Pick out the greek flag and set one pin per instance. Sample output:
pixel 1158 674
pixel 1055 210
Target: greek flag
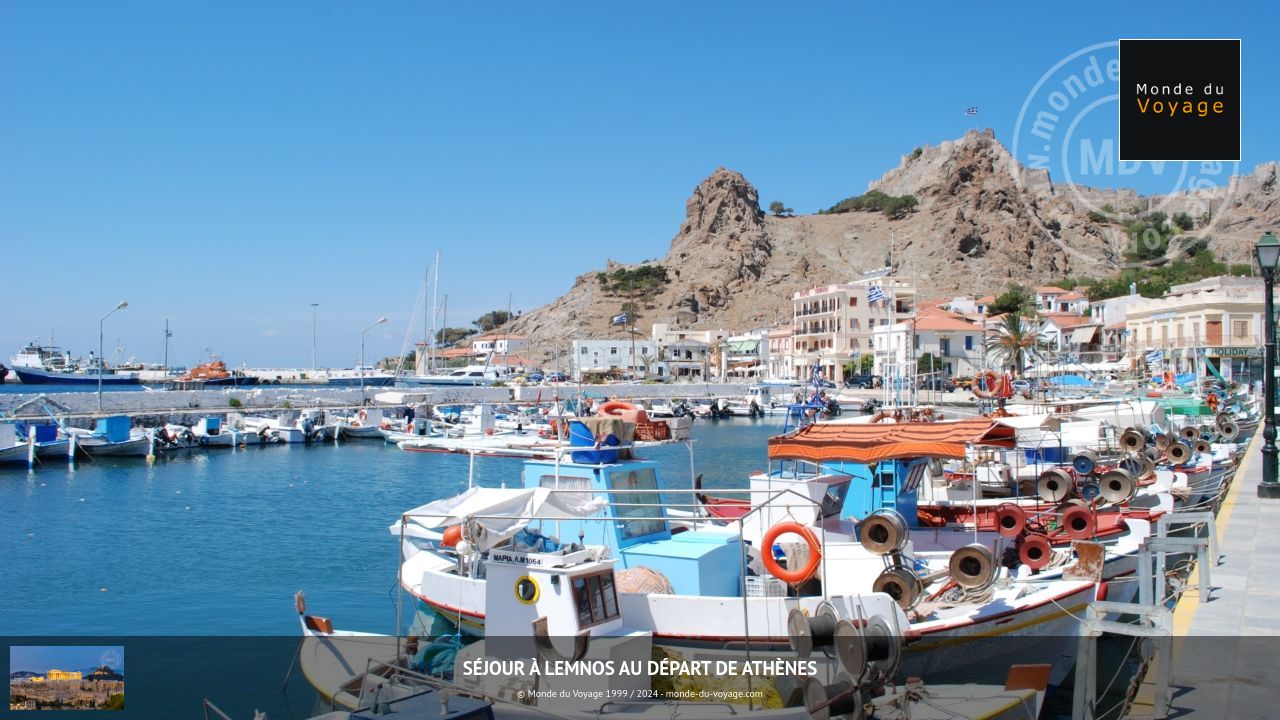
pixel 875 293
pixel 619 319
pixel 817 376
pixel 971 110
pixel 1155 357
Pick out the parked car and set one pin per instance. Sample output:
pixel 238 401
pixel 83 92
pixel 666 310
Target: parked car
pixel 938 383
pixel 1021 386
pixel 964 383
pixel 863 382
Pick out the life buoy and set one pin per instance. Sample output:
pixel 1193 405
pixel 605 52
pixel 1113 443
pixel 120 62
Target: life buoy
pixel 1212 402
pixel 362 415
pixel 990 378
pixel 615 407
pixel 797 575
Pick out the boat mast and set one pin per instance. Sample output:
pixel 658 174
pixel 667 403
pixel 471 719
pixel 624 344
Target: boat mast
pixel 506 335
pixel 435 294
pixel 167 335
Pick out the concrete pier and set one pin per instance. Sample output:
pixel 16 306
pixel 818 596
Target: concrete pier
pixel 1226 652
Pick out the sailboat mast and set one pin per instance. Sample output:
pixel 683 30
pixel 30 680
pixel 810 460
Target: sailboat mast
pixel 506 334
pixel 435 295
pixel 167 335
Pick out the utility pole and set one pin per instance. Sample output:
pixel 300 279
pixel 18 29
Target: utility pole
pixel 167 335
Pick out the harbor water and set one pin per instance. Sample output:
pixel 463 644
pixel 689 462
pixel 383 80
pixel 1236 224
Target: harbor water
pixel 215 543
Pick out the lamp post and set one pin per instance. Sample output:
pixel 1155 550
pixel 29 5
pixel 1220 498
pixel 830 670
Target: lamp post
pixel 121 306
pixel 362 332
pixel 313 336
pixel 1267 253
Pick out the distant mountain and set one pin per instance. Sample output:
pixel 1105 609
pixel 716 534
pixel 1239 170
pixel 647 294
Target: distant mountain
pixel 982 220
pixel 23 674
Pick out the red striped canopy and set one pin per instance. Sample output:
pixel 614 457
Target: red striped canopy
pixel 874 442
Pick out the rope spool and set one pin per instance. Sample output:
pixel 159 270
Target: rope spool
pixel 1163 441
pixel 1011 519
pixel 1189 432
pixel 1148 468
pixel 1132 463
pixel 809 633
pixel 1178 453
pixel 973 566
pixel 1133 439
pixel 1203 446
pixel 883 532
pixel 1085 462
pixel 1221 418
pixel 1079 522
pixel 900 583
pixel 1230 430
pixel 1035 551
pixel 842 698
pixel 1117 485
pixel 1054 485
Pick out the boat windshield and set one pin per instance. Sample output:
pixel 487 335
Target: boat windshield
pixel 645 507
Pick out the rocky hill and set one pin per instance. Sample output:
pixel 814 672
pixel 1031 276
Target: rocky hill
pixel 982 220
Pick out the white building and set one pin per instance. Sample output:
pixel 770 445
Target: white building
pixel 954 342
pixel 780 354
pixel 746 355
pixel 614 355
pixel 498 344
pixel 832 325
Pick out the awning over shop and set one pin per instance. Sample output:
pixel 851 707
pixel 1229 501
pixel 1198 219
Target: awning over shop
pixel 873 442
pixel 1084 335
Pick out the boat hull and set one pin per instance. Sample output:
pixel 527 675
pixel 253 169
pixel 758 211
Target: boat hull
pixel 32 376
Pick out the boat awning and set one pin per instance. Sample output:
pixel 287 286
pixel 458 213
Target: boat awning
pixel 497 513
pixel 867 443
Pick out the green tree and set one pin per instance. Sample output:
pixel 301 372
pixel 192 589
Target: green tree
pixel 777 208
pixel 115 702
pixel 1013 342
pixel 492 320
pixel 928 363
pixel 451 335
pixel 1183 221
pixel 867 362
pixel 1015 299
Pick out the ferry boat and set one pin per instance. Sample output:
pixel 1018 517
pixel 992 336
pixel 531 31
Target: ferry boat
pixel 38 364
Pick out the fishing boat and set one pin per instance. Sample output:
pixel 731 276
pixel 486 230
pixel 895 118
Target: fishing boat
pixel 113 436
pixel 703 588
pixel 363 423
pixel 37 364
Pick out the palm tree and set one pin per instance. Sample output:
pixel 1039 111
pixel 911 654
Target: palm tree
pixel 1014 341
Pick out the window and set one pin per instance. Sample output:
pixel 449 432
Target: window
pixel 1240 328
pixel 640 513
pixel 596 598
pixel 917 341
pixel 613 351
pixel 968 342
pixel 584 350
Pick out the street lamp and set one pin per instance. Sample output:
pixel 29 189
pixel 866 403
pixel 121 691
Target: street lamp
pixel 313 336
pixel 1267 253
pixel 362 332
pixel 120 306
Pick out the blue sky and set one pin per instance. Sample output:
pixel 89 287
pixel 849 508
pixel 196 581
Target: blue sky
pixel 225 164
pixel 42 658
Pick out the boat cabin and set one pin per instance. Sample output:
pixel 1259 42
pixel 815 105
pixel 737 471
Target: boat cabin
pixel 639 529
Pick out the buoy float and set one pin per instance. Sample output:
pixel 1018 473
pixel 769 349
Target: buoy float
pixel 797 575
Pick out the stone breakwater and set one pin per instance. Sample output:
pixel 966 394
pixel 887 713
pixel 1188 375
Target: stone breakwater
pixel 242 399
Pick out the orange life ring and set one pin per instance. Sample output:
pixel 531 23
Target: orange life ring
pixel 798 575
pixel 991 380
pixel 614 407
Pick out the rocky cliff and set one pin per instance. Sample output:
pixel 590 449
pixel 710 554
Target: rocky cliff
pixel 982 220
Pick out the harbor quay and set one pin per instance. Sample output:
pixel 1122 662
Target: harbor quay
pixel 1225 648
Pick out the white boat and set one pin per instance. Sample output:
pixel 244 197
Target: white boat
pixel 113 436
pixel 292 427
pixel 482 375
pixel 706 600
pixel 363 423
